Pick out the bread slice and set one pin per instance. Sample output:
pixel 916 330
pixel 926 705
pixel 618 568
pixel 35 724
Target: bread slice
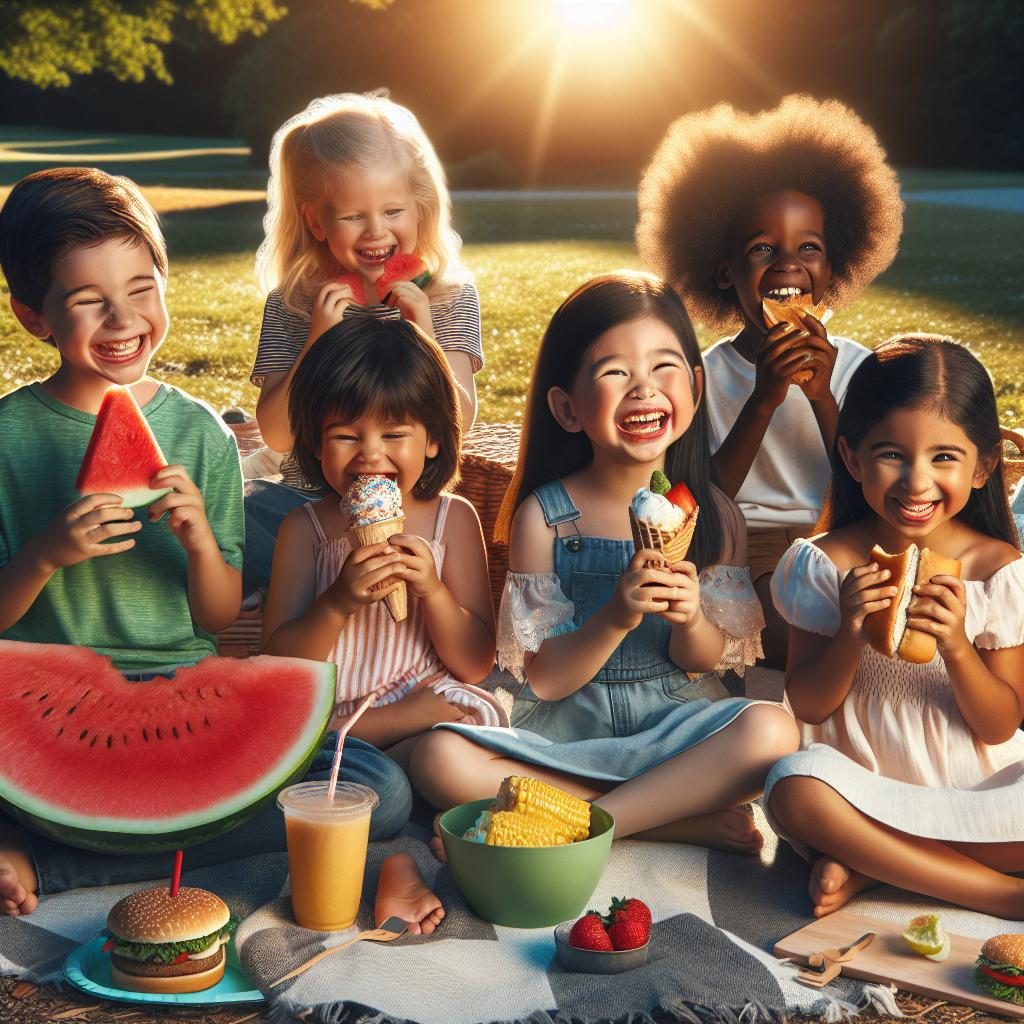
pixel 886 630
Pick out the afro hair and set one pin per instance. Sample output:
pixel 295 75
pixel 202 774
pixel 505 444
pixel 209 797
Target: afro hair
pixel 712 163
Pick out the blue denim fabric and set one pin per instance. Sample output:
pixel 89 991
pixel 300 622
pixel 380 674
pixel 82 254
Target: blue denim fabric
pixel 60 867
pixel 266 504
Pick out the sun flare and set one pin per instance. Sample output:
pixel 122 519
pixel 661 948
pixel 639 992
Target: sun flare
pixel 593 15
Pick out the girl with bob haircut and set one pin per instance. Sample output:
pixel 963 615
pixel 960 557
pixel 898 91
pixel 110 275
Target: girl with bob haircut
pixel 795 204
pixel 377 397
pixel 911 774
pixel 615 648
pixel 354 181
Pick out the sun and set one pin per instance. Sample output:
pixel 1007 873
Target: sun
pixel 593 15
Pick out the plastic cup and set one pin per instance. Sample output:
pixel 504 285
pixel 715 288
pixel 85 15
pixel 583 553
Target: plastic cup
pixel 326 851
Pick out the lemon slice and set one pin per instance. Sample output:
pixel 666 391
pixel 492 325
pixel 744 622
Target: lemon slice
pixel 926 936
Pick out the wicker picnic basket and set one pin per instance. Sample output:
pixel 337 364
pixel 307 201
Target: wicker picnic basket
pixel 1013 457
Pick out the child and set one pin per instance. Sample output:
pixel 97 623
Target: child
pixel 377 397
pixel 735 208
pixel 604 640
pixel 912 774
pixel 353 180
pixel 86 265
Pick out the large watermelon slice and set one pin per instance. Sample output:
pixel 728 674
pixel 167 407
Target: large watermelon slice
pixel 403 266
pixel 99 762
pixel 122 454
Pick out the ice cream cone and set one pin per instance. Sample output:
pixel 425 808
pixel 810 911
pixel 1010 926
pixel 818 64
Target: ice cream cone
pixel 672 544
pixel 397 598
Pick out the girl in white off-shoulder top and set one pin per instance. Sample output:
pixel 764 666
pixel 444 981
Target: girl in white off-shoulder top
pixel 910 774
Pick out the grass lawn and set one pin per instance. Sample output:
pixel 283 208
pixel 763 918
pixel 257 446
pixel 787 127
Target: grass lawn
pixel 958 271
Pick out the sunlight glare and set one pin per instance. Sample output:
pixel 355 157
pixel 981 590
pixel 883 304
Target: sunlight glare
pixel 593 15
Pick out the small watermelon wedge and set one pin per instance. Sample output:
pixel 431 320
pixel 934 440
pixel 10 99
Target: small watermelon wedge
pixel 95 761
pixel 356 283
pixel 122 455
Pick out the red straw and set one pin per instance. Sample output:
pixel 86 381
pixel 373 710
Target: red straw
pixel 176 873
pixel 342 733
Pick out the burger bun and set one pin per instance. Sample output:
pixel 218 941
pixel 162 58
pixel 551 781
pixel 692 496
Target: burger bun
pixel 172 985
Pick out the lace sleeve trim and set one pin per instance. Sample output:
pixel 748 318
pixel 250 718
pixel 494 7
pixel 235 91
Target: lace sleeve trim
pixel 533 608
pixel 728 599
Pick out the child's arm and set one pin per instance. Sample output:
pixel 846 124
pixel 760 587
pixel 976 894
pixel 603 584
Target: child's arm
pixel 411 716
pixel 214 587
pixel 73 536
pixel 457 607
pixel 988 686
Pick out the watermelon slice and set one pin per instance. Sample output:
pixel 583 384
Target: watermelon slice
pixel 403 266
pixel 122 455
pixel 356 283
pixel 96 761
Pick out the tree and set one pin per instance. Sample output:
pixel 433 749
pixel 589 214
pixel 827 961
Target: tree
pixel 45 43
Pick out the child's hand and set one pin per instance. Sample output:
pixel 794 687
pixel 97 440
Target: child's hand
pixel 413 304
pixel 642 589
pixel 783 352
pixel 364 567
pixel 820 357
pixel 939 607
pixel 865 590
pixel 684 609
pixel 76 533
pixel 330 305
pixel 416 565
pixel 423 709
pixel 187 519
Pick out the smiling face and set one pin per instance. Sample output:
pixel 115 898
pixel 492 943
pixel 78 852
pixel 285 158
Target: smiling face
pixel 632 395
pixel 367 214
pixel 778 250
pixel 917 471
pixel 105 313
pixel 371 445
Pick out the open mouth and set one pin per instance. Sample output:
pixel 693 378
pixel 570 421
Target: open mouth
pixel 376 257
pixel 119 351
pixel 644 423
pixel 915 511
pixel 781 294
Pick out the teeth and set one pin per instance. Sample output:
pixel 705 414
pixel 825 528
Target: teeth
pixel 376 254
pixel 643 417
pixel 783 293
pixel 917 509
pixel 643 422
pixel 120 348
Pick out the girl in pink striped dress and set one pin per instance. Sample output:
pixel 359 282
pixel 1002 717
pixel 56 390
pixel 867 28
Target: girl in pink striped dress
pixel 377 397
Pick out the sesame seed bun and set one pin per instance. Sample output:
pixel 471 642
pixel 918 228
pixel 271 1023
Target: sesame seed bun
pixel 1005 949
pixel 153 915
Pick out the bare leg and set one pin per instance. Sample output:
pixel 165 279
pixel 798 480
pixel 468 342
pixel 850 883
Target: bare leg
pixel 775 636
pixel 18 884
pixel 401 892
pixel 811 811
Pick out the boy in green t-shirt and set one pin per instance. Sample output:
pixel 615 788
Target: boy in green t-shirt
pixel 86 265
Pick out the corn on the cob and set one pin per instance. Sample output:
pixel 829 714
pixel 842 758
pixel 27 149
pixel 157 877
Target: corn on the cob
pixel 532 797
pixel 508 828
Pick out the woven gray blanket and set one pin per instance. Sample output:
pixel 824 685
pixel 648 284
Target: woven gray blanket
pixel 716 918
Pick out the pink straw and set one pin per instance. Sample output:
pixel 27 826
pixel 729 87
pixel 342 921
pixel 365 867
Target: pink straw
pixel 342 733
pixel 176 873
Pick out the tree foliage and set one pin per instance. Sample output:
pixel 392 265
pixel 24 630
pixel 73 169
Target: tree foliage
pixel 46 43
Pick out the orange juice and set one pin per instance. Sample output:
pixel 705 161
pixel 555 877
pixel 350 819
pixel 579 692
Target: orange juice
pixel 326 851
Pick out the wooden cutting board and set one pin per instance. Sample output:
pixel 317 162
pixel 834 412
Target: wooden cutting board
pixel 890 959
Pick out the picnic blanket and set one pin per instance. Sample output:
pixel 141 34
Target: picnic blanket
pixel 716 918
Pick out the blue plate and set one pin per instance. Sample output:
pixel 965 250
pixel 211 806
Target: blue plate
pixel 88 969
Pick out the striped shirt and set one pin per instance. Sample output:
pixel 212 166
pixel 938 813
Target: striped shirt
pixel 456 322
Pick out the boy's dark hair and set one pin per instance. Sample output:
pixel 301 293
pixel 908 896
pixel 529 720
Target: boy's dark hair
pixel 390 369
pixel 713 163
pixel 922 371
pixel 61 208
pixel 547 452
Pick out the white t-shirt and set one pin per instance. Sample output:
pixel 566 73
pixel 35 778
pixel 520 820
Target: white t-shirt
pixel 789 474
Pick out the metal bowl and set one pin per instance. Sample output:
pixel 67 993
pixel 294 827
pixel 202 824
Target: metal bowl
pixel 596 961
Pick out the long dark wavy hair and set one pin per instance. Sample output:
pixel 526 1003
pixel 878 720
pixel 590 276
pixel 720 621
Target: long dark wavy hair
pixel 922 371
pixel 548 452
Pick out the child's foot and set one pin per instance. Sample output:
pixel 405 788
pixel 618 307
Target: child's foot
pixel 732 830
pixel 401 892
pixel 16 899
pixel 833 884
pixel 436 844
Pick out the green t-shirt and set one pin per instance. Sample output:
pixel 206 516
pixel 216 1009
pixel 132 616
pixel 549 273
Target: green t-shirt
pixel 132 606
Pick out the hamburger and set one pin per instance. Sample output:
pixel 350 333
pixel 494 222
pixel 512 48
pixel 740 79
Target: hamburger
pixel 788 309
pixel 886 630
pixel 164 943
pixel 999 969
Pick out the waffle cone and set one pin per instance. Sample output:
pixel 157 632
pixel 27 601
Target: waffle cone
pixel 673 545
pixel 397 598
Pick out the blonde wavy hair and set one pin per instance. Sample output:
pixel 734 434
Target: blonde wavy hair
pixel 332 134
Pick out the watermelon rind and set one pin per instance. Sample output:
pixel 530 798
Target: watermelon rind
pixel 119 834
pixel 141 496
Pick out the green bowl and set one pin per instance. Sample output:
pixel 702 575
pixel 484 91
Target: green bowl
pixel 525 887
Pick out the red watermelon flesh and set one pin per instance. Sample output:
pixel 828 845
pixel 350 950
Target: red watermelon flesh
pixel 99 762
pixel 122 455
pixel 355 282
pixel 403 266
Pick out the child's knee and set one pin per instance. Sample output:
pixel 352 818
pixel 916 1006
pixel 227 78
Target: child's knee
pixel 770 730
pixel 793 802
pixel 437 762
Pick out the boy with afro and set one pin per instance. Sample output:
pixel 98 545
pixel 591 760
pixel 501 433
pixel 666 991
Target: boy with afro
pixel 795 204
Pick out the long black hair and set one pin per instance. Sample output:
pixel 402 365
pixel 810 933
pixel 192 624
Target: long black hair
pixel 548 452
pixel 922 371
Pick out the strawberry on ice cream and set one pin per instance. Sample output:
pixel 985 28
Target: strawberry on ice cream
pixel 664 517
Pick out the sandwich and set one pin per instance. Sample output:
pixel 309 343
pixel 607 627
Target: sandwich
pixel 164 943
pixel 887 630
pixel 789 310
pixel 999 969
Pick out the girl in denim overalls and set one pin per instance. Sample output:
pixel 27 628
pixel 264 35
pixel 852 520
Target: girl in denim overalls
pixel 615 648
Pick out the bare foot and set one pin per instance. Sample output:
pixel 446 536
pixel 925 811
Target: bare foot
pixel 16 899
pixel 732 830
pixel 401 892
pixel 833 884
pixel 436 844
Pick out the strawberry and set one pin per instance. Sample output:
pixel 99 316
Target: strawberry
pixel 630 910
pixel 589 933
pixel 629 934
pixel 682 496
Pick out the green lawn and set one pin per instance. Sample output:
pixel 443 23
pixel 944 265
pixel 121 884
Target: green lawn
pixel 959 270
